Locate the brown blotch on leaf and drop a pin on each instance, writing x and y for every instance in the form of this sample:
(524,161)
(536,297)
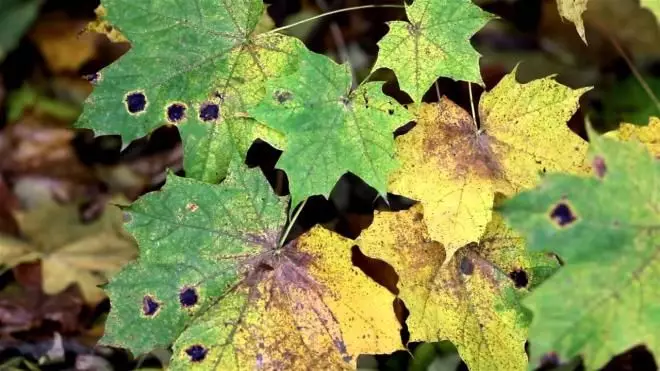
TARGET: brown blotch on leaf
(192,207)
(562,215)
(378,270)
(458,138)
(600,168)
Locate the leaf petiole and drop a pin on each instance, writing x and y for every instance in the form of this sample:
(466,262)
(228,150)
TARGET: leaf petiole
(291,223)
(334,12)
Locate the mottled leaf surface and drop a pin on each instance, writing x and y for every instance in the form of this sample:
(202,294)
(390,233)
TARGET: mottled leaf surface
(454,168)
(434,43)
(330,128)
(473,300)
(212,279)
(194,64)
(605,227)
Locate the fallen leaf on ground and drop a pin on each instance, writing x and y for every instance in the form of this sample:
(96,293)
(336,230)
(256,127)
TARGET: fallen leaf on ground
(648,135)
(70,252)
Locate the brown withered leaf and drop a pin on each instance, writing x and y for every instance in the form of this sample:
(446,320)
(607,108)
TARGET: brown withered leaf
(70,251)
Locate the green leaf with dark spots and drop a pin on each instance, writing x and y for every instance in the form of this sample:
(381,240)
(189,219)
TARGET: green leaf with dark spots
(330,128)
(194,64)
(606,228)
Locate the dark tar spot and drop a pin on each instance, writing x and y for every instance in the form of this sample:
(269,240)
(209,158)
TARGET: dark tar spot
(562,215)
(209,112)
(197,353)
(519,277)
(600,168)
(176,112)
(93,77)
(550,360)
(467,267)
(188,297)
(390,111)
(282,96)
(136,102)
(149,306)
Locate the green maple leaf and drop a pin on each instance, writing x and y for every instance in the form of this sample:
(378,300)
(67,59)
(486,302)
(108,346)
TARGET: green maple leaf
(213,279)
(197,65)
(435,43)
(331,129)
(600,303)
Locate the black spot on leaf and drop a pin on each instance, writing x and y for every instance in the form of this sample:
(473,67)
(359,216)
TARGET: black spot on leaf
(562,215)
(94,78)
(466,267)
(519,277)
(600,168)
(136,102)
(209,112)
(150,306)
(390,111)
(196,352)
(188,297)
(282,96)
(176,112)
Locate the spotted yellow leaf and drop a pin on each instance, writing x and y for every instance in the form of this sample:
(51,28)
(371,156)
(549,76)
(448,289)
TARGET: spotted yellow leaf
(214,280)
(454,168)
(473,301)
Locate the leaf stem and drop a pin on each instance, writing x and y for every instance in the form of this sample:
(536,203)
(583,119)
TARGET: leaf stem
(334,12)
(291,223)
(635,72)
(474,116)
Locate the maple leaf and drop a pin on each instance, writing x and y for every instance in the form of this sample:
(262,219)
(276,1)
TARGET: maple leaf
(647,135)
(597,304)
(213,279)
(454,168)
(15,18)
(70,252)
(331,129)
(197,65)
(473,301)
(572,10)
(435,43)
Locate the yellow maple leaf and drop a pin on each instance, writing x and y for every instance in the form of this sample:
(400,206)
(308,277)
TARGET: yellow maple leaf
(454,168)
(70,252)
(473,301)
(319,317)
(648,135)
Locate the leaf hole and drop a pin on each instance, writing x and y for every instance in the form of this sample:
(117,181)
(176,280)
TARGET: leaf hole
(519,278)
(378,270)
